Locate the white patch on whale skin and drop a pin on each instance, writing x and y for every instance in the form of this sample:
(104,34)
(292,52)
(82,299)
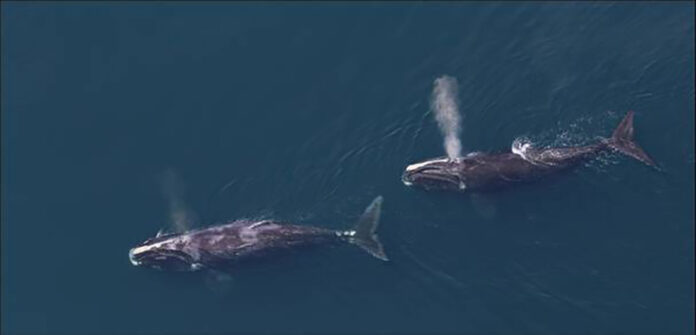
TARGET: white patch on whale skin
(345,233)
(188,247)
(522,147)
(407,183)
(249,234)
(132,259)
(216,239)
(218,228)
(254,225)
(145,248)
(418,165)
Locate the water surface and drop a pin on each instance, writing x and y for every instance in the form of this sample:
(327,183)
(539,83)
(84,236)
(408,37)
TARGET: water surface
(306,112)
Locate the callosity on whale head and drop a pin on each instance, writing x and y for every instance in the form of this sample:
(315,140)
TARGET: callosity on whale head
(438,173)
(167,252)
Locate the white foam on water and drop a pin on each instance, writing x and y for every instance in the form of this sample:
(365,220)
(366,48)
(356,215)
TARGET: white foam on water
(520,146)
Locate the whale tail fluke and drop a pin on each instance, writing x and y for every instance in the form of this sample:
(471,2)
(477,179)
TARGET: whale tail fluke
(364,233)
(622,140)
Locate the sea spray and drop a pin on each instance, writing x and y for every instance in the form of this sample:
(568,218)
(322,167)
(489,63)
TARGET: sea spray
(445,106)
(180,216)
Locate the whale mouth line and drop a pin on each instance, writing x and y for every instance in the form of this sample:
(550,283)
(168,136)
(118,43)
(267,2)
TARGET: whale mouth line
(175,260)
(441,177)
(427,175)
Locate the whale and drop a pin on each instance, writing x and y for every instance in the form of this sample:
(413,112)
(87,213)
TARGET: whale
(495,171)
(223,247)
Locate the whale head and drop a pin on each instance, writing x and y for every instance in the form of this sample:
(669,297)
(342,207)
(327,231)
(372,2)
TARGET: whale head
(171,252)
(435,174)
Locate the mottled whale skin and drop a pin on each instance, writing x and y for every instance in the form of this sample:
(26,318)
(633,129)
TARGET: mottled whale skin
(481,172)
(225,246)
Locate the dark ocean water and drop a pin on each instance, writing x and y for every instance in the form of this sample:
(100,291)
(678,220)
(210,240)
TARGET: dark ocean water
(305,112)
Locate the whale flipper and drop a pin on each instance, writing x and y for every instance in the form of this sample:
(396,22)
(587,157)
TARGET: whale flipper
(364,235)
(622,140)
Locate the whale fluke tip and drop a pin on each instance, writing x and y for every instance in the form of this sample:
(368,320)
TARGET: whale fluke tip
(622,140)
(365,235)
